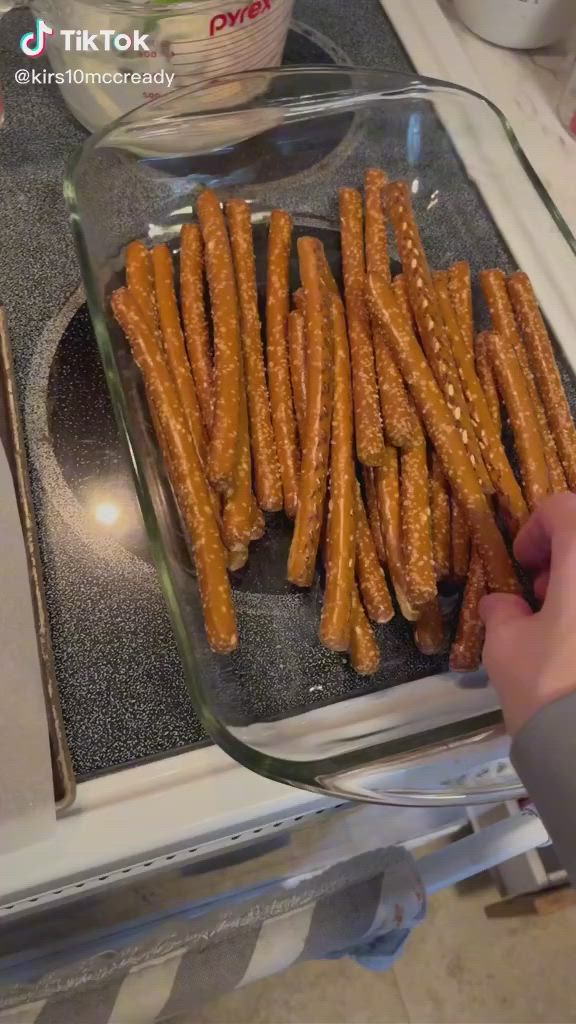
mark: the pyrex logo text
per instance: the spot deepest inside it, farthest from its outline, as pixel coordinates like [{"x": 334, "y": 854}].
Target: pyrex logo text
[
  {"x": 33, "y": 44},
  {"x": 230, "y": 19}
]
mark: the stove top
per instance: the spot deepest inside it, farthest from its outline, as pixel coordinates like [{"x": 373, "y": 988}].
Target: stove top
[{"x": 121, "y": 684}]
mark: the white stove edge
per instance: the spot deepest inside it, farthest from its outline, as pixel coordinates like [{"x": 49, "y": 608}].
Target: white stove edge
[{"x": 166, "y": 813}]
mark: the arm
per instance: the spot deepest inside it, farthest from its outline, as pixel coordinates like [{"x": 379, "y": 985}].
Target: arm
[
  {"x": 531, "y": 659},
  {"x": 544, "y": 755}
]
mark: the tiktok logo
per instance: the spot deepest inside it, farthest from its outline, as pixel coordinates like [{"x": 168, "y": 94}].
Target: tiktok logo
[{"x": 33, "y": 44}]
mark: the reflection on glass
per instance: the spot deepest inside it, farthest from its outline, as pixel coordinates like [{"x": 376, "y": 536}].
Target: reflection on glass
[{"x": 107, "y": 513}]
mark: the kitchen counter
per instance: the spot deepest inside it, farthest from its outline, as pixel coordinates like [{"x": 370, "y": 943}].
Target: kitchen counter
[{"x": 524, "y": 84}]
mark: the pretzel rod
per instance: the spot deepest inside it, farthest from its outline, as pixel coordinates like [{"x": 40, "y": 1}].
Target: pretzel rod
[
  {"x": 493, "y": 284},
  {"x": 267, "y": 479},
  {"x": 364, "y": 650},
  {"x": 173, "y": 339},
  {"x": 237, "y": 558},
  {"x": 460, "y": 287},
  {"x": 401, "y": 295},
  {"x": 319, "y": 400},
  {"x": 460, "y": 541},
  {"x": 238, "y": 516},
  {"x": 140, "y": 281},
  {"x": 445, "y": 437},
  {"x": 297, "y": 353},
  {"x": 545, "y": 371},
  {"x": 428, "y": 318},
  {"x": 340, "y": 538},
  {"x": 227, "y": 344},
  {"x": 486, "y": 378},
  {"x": 377, "y": 260},
  {"x": 373, "y": 512},
  {"x": 299, "y": 300},
  {"x": 277, "y": 310},
  {"x": 369, "y": 572},
  {"x": 429, "y": 632},
  {"x": 513, "y": 388},
  {"x": 258, "y": 521},
  {"x": 387, "y": 482},
  {"x": 416, "y": 521},
  {"x": 188, "y": 477},
  {"x": 325, "y": 269},
  {"x": 440, "y": 513},
  {"x": 466, "y": 651},
  {"x": 368, "y": 426},
  {"x": 495, "y": 458},
  {"x": 194, "y": 319}
]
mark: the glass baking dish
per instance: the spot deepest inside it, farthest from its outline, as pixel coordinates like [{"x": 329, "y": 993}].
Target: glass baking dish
[{"x": 281, "y": 704}]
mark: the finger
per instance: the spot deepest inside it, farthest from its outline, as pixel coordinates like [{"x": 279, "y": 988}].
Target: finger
[
  {"x": 497, "y": 609},
  {"x": 541, "y": 585},
  {"x": 553, "y": 522}
]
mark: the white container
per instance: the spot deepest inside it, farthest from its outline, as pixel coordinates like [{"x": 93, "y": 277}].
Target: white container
[
  {"x": 185, "y": 41},
  {"x": 518, "y": 24}
]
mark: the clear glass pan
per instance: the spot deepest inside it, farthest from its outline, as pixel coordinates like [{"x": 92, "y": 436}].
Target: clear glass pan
[{"x": 282, "y": 705}]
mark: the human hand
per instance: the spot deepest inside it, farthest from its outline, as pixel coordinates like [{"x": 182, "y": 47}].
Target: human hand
[{"x": 531, "y": 656}]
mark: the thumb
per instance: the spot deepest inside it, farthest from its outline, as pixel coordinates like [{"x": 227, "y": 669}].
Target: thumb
[{"x": 497, "y": 609}]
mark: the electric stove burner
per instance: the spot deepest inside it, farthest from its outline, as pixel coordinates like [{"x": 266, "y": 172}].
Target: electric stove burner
[{"x": 122, "y": 690}]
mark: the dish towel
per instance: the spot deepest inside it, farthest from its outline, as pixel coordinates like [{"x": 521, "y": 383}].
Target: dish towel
[{"x": 168, "y": 964}]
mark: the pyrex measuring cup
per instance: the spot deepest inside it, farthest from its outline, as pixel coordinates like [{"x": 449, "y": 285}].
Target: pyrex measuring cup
[{"x": 111, "y": 56}]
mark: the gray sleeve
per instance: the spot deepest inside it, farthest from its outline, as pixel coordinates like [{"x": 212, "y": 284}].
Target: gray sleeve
[{"x": 544, "y": 755}]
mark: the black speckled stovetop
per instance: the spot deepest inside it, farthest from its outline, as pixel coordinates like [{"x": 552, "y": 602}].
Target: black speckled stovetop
[{"x": 121, "y": 684}]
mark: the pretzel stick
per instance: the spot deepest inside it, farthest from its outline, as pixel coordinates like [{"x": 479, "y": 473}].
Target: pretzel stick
[
  {"x": 513, "y": 387},
  {"x": 368, "y": 426},
  {"x": 238, "y": 516},
  {"x": 377, "y": 260},
  {"x": 428, "y": 317},
  {"x": 299, "y": 300},
  {"x": 445, "y": 437},
  {"x": 140, "y": 281},
  {"x": 466, "y": 651},
  {"x": 364, "y": 650},
  {"x": 340, "y": 538},
  {"x": 297, "y": 353},
  {"x": 258, "y": 521},
  {"x": 495, "y": 458},
  {"x": 486, "y": 378},
  {"x": 460, "y": 541},
  {"x": 387, "y": 482},
  {"x": 188, "y": 477},
  {"x": 174, "y": 347},
  {"x": 460, "y": 287},
  {"x": 373, "y": 512},
  {"x": 319, "y": 399},
  {"x": 325, "y": 269},
  {"x": 493, "y": 284},
  {"x": 237, "y": 558},
  {"x": 545, "y": 371},
  {"x": 416, "y": 521},
  {"x": 194, "y": 319},
  {"x": 429, "y": 632},
  {"x": 440, "y": 513},
  {"x": 277, "y": 309},
  {"x": 369, "y": 572},
  {"x": 267, "y": 479},
  {"x": 401, "y": 295},
  {"x": 227, "y": 344}
]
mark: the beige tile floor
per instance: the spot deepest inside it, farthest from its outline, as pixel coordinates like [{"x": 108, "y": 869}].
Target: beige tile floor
[{"x": 459, "y": 968}]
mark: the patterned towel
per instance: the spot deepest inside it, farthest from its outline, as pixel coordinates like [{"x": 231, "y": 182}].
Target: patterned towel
[{"x": 165, "y": 965}]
